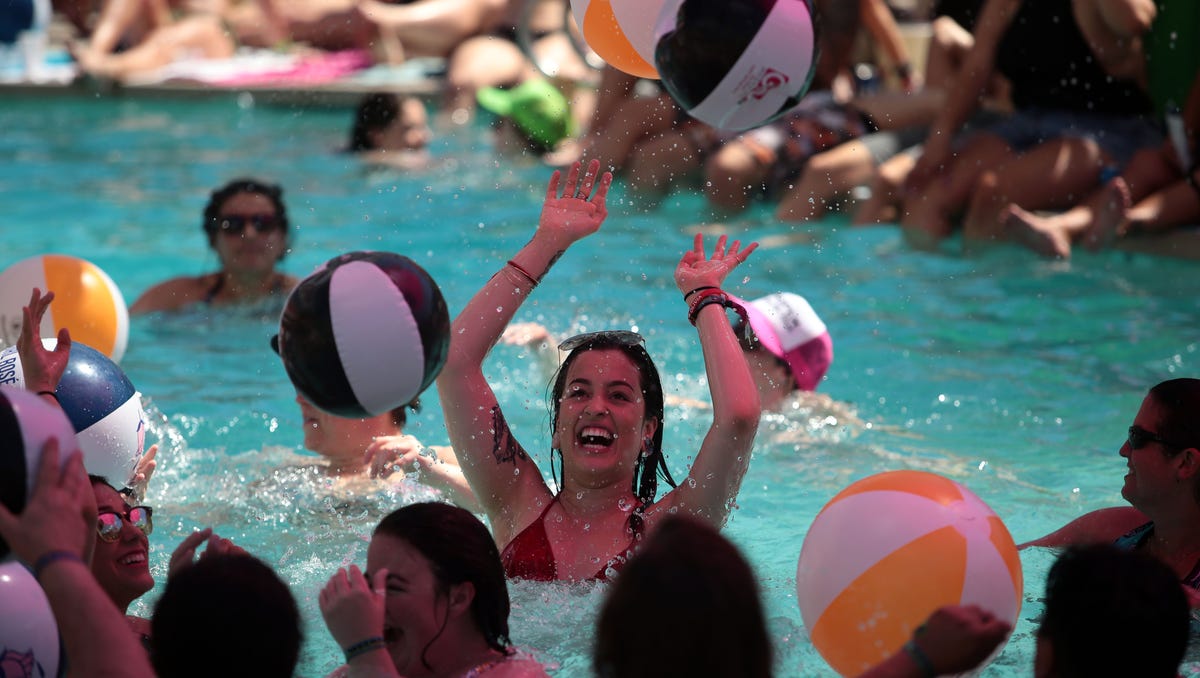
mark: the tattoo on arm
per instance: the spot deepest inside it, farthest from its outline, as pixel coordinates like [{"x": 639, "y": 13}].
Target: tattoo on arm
[{"x": 505, "y": 447}]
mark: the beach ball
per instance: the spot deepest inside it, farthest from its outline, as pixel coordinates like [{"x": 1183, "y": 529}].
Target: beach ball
[
  {"x": 102, "y": 405},
  {"x": 86, "y": 301},
  {"x": 366, "y": 333},
  {"x": 29, "y": 641},
  {"x": 736, "y": 64},
  {"x": 889, "y": 550},
  {"x": 27, "y": 421},
  {"x": 622, "y": 31}
]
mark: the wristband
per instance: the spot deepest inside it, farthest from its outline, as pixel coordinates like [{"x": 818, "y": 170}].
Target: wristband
[
  {"x": 52, "y": 394},
  {"x": 919, "y": 658},
  {"x": 706, "y": 300},
  {"x": 698, "y": 289},
  {"x": 528, "y": 276},
  {"x": 363, "y": 647},
  {"x": 50, "y": 557}
]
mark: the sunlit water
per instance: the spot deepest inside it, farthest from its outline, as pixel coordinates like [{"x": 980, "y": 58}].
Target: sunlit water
[{"x": 1012, "y": 375}]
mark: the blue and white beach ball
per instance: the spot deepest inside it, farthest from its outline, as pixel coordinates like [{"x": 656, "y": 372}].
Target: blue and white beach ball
[
  {"x": 29, "y": 640},
  {"x": 366, "y": 333},
  {"x": 736, "y": 64},
  {"x": 26, "y": 423},
  {"x": 102, "y": 406}
]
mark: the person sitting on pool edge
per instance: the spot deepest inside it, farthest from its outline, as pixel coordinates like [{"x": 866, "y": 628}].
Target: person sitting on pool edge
[
  {"x": 247, "y": 226},
  {"x": 433, "y": 598},
  {"x": 1163, "y": 487},
  {"x": 788, "y": 346},
  {"x": 606, "y": 409},
  {"x": 378, "y": 447}
]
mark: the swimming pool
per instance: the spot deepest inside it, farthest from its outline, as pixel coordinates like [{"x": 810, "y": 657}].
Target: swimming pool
[{"x": 1012, "y": 375}]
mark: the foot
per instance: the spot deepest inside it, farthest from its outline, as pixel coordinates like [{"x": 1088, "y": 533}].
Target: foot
[
  {"x": 1037, "y": 233},
  {"x": 1110, "y": 215}
]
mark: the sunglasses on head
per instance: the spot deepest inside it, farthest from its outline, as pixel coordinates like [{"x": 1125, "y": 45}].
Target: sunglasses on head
[
  {"x": 1140, "y": 437},
  {"x": 618, "y": 337},
  {"x": 110, "y": 523},
  {"x": 235, "y": 224}
]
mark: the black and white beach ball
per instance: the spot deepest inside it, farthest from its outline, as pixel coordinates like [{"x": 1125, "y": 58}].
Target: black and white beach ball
[
  {"x": 366, "y": 333},
  {"x": 102, "y": 405},
  {"x": 736, "y": 64}
]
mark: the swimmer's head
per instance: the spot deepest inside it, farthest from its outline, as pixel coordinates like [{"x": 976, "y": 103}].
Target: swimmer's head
[
  {"x": 214, "y": 218},
  {"x": 631, "y": 344},
  {"x": 121, "y": 559},
  {"x": 682, "y": 557},
  {"x": 535, "y": 110},
  {"x": 384, "y": 121},
  {"x": 1175, "y": 403},
  {"x": 460, "y": 550},
  {"x": 787, "y": 326},
  {"x": 345, "y": 438}
]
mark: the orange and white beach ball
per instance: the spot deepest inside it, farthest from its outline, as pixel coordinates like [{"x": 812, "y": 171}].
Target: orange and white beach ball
[
  {"x": 622, "y": 31},
  {"x": 86, "y": 301},
  {"x": 889, "y": 550}
]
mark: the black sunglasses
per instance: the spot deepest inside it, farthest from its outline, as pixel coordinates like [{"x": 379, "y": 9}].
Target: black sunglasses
[
  {"x": 235, "y": 224},
  {"x": 1140, "y": 437},
  {"x": 618, "y": 337},
  {"x": 110, "y": 523}
]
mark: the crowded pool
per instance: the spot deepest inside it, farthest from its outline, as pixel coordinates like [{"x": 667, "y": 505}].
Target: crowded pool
[{"x": 1012, "y": 375}]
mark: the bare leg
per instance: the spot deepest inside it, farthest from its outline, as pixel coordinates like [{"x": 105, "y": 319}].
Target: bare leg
[
  {"x": 1173, "y": 206},
  {"x": 885, "y": 187},
  {"x": 199, "y": 34},
  {"x": 1053, "y": 175},
  {"x": 927, "y": 216},
  {"x": 655, "y": 165},
  {"x": 435, "y": 27},
  {"x": 826, "y": 175},
  {"x": 1111, "y": 211},
  {"x": 734, "y": 174}
]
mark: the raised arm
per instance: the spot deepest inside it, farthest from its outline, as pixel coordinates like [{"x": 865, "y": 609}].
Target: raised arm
[
  {"x": 489, "y": 455},
  {"x": 725, "y": 453}
]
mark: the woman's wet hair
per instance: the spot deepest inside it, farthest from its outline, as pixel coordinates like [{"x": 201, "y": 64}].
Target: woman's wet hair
[
  {"x": 375, "y": 111},
  {"x": 241, "y": 600},
  {"x": 1111, "y": 612},
  {"x": 651, "y": 463},
  {"x": 218, "y": 198},
  {"x": 459, "y": 549},
  {"x": 703, "y": 599}
]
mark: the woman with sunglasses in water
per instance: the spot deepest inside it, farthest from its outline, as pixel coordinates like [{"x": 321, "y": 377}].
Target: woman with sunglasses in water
[
  {"x": 607, "y": 410},
  {"x": 1163, "y": 487},
  {"x": 247, "y": 226}
]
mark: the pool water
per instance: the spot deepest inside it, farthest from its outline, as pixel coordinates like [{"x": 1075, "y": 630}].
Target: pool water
[{"x": 1012, "y": 375}]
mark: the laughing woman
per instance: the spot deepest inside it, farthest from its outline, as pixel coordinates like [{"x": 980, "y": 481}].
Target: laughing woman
[{"x": 607, "y": 423}]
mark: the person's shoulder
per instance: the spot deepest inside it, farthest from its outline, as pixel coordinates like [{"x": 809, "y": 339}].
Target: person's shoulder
[
  {"x": 173, "y": 294},
  {"x": 520, "y": 664}
]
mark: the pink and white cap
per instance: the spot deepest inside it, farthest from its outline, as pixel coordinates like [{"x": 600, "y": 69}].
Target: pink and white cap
[{"x": 788, "y": 326}]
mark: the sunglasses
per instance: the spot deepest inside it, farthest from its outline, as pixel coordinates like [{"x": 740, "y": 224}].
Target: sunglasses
[
  {"x": 618, "y": 337},
  {"x": 1140, "y": 437},
  {"x": 110, "y": 523},
  {"x": 235, "y": 224}
]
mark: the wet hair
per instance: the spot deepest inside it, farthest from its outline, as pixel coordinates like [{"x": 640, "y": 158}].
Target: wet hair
[
  {"x": 459, "y": 549},
  {"x": 703, "y": 599},
  {"x": 400, "y": 417},
  {"x": 218, "y": 198},
  {"x": 375, "y": 111},
  {"x": 651, "y": 463},
  {"x": 1179, "y": 402},
  {"x": 1139, "y": 609},
  {"x": 242, "y": 601}
]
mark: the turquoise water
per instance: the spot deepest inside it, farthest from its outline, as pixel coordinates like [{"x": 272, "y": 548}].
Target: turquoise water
[{"x": 1016, "y": 377}]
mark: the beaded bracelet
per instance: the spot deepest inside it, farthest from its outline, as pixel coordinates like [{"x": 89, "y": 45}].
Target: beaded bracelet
[
  {"x": 50, "y": 557},
  {"x": 363, "y": 647},
  {"x": 707, "y": 300},
  {"x": 528, "y": 276},
  {"x": 919, "y": 658}
]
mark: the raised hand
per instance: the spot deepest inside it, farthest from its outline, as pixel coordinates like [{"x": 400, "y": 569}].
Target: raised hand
[
  {"x": 696, "y": 269},
  {"x": 43, "y": 368},
  {"x": 142, "y": 473},
  {"x": 388, "y": 454},
  {"x": 184, "y": 555},
  {"x": 578, "y": 212},
  {"x": 352, "y": 607},
  {"x": 61, "y": 513}
]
